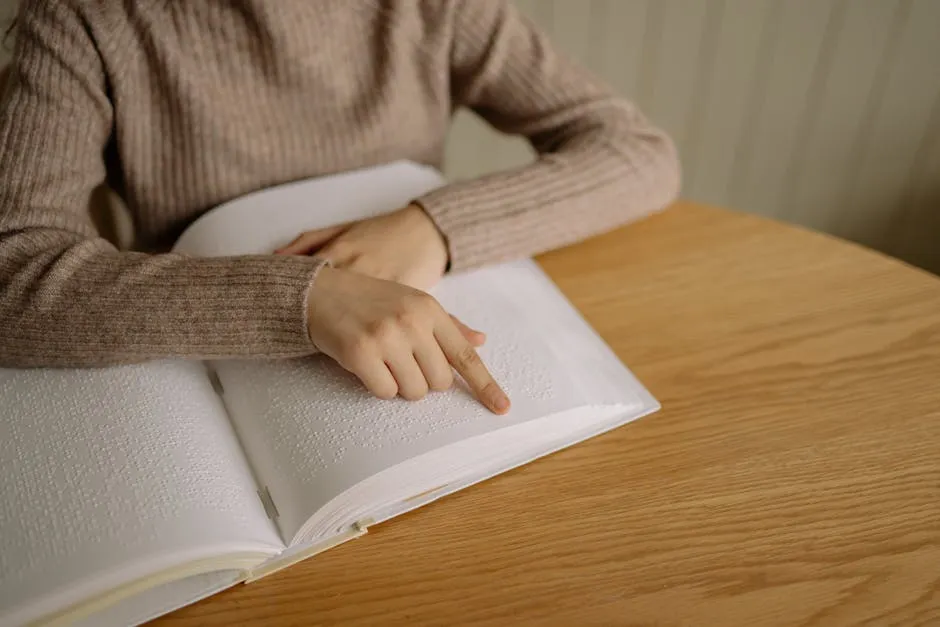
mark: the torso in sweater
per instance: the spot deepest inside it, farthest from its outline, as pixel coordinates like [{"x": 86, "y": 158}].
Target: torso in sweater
[
  {"x": 212, "y": 100},
  {"x": 192, "y": 103}
]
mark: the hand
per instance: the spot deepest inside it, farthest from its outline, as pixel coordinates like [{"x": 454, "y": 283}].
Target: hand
[
  {"x": 403, "y": 246},
  {"x": 396, "y": 339}
]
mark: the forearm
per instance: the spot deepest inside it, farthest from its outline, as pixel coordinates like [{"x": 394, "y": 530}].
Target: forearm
[
  {"x": 86, "y": 304},
  {"x": 601, "y": 163},
  {"x": 591, "y": 182}
]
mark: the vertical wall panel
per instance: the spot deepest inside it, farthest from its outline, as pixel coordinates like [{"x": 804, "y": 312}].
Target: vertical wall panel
[
  {"x": 915, "y": 234},
  {"x": 571, "y": 28},
  {"x": 703, "y": 83},
  {"x": 531, "y": 9},
  {"x": 864, "y": 49},
  {"x": 619, "y": 28},
  {"x": 764, "y": 153},
  {"x": 671, "y": 92},
  {"x": 873, "y": 193},
  {"x": 808, "y": 109},
  {"x": 744, "y": 33},
  {"x": 650, "y": 48}
]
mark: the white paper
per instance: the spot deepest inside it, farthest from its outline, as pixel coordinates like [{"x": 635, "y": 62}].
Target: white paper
[
  {"x": 109, "y": 475},
  {"x": 162, "y": 600},
  {"x": 311, "y": 430},
  {"x": 259, "y": 223}
]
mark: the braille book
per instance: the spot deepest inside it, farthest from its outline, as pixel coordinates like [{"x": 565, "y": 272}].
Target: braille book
[{"x": 130, "y": 491}]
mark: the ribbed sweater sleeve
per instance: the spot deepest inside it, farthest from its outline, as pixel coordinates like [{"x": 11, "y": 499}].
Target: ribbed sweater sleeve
[
  {"x": 69, "y": 298},
  {"x": 203, "y": 102},
  {"x": 600, "y": 163}
]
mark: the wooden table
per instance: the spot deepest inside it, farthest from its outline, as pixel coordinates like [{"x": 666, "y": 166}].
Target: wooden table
[{"x": 792, "y": 478}]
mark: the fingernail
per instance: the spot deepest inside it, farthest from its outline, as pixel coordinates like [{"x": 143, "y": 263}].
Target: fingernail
[{"x": 501, "y": 404}]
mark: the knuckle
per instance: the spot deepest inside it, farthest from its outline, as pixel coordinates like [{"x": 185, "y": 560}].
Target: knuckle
[
  {"x": 408, "y": 319},
  {"x": 442, "y": 381},
  {"x": 421, "y": 302},
  {"x": 468, "y": 357},
  {"x": 386, "y": 391},
  {"x": 413, "y": 392},
  {"x": 490, "y": 389},
  {"x": 384, "y": 330},
  {"x": 355, "y": 351}
]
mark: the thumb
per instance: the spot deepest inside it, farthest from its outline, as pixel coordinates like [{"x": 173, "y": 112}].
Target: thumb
[
  {"x": 476, "y": 338},
  {"x": 309, "y": 241}
]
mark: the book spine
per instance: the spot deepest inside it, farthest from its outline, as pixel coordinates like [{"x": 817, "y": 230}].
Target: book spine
[{"x": 299, "y": 554}]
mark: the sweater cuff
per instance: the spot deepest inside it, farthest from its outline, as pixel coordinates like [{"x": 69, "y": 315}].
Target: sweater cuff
[
  {"x": 311, "y": 280},
  {"x": 460, "y": 215},
  {"x": 501, "y": 216},
  {"x": 259, "y": 305}
]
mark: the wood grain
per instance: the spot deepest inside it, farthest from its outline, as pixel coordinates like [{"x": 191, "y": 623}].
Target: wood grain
[{"x": 792, "y": 478}]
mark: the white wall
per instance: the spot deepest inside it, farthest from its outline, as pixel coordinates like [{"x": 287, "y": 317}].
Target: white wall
[{"x": 822, "y": 112}]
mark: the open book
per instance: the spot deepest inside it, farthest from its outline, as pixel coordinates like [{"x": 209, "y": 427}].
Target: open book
[{"x": 128, "y": 492}]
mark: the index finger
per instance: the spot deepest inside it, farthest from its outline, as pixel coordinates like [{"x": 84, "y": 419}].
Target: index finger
[{"x": 465, "y": 360}]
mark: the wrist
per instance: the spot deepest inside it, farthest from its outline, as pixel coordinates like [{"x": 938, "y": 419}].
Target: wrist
[
  {"x": 319, "y": 281},
  {"x": 419, "y": 212}
]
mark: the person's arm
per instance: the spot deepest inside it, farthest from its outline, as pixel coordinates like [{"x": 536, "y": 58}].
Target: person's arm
[
  {"x": 600, "y": 164},
  {"x": 67, "y": 296}
]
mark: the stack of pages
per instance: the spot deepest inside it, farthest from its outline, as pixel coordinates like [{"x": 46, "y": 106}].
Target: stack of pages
[{"x": 128, "y": 492}]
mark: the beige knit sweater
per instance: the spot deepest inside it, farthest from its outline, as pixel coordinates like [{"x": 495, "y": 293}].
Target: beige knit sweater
[{"x": 185, "y": 105}]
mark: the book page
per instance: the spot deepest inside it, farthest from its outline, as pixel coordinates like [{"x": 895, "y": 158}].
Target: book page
[
  {"x": 259, "y": 223},
  {"x": 311, "y": 430},
  {"x": 161, "y": 599},
  {"x": 110, "y": 475}
]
